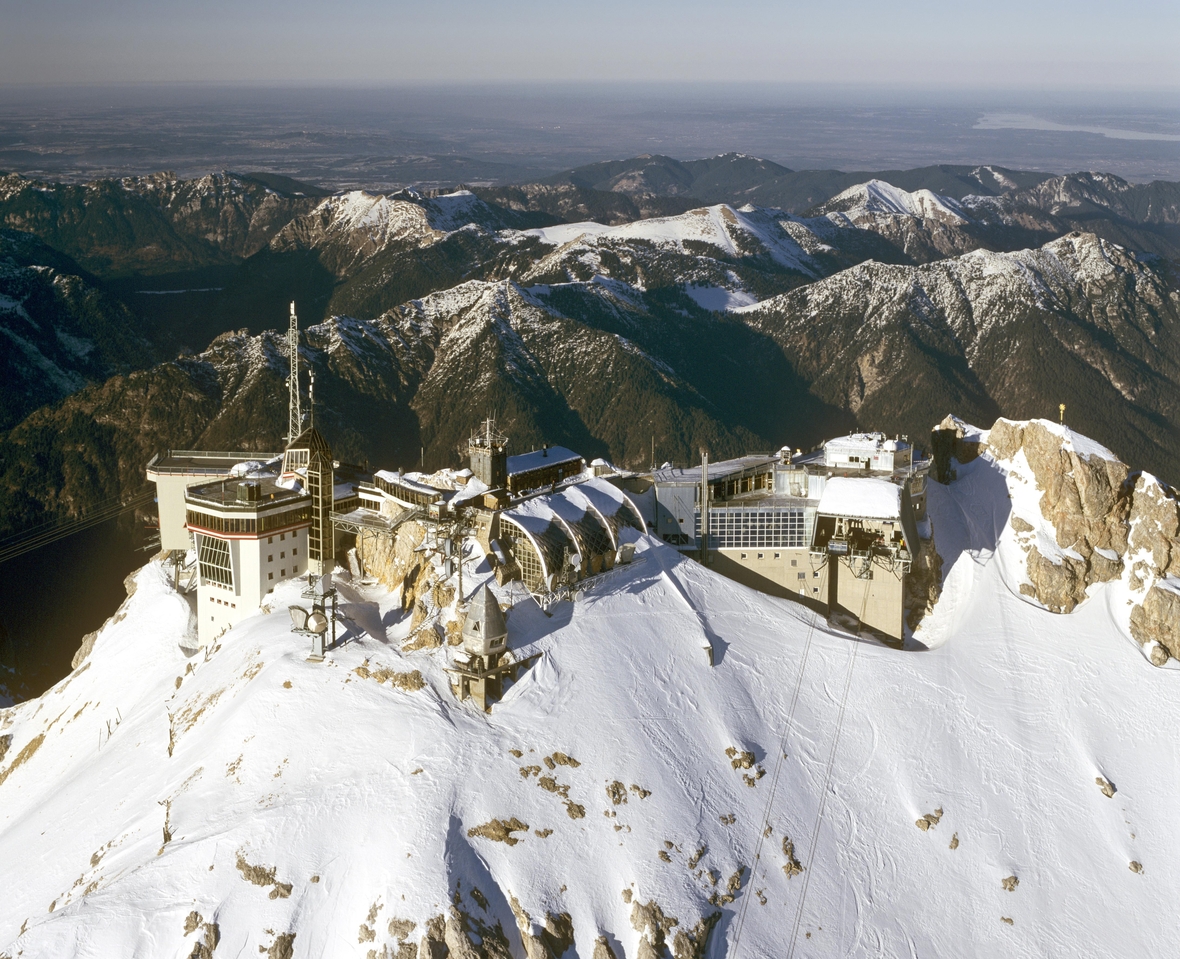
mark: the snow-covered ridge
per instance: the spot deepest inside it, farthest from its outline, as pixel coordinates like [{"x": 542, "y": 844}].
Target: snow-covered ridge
[
  {"x": 624, "y": 794},
  {"x": 731, "y": 231},
  {"x": 878, "y": 196}
]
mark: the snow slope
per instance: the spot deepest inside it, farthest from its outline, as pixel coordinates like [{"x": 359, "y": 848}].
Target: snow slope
[{"x": 325, "y": 801}]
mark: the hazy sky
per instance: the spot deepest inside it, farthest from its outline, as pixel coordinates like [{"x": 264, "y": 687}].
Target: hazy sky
[{"x": 1039, "y": 44}]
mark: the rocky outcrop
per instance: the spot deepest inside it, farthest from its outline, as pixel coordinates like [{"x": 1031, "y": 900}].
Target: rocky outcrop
[
  {"x": 952, "y": 440},
  {"x": 1156, "y": 623},
  {"x": 544, "y": 940},
  {"x": 656, "y": 929},
  {"x": 1103, "y": 518},
  {"x": 1084, "y": 496}
]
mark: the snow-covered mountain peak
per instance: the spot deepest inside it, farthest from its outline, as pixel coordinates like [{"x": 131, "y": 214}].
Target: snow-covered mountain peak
[{"x": 880, "y": 197}]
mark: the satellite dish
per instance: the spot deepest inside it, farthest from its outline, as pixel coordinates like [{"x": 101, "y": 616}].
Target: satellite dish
[
  {"x": 298, "y": 617},
  {"x": 317, "y": 622}
]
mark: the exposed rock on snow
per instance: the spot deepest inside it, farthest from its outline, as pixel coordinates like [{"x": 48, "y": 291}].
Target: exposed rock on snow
[
  {"x": 1157, "y": 621},
  {"x": 1102, "y": 518}
]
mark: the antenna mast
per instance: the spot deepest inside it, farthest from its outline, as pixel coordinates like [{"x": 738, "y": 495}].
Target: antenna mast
[{"x": 294, "y": 414}]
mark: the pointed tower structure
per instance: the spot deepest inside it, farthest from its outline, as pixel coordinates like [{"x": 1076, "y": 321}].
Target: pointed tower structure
[{"x": 477, "y": 668}]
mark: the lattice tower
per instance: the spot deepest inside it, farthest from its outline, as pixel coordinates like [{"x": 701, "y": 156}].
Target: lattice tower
[{"x": 294, "y": 413}]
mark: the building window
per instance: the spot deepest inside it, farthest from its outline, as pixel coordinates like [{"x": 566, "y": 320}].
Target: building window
[
  {"x": 283, "y": 555},
  {"x": 778, "y": 555},
  {"x": 270, "y": 575},
  {"x": 816, "y": 574},
  {"x": 270, "y": 539},
  {"x": 743, "y": 555},
  {"x": 270, "y": 558},
  {"x": 802, "y": 576},
  {"x": 294, "y": 569},
  {"x": 761, "y": 556},
  {"x": 214, "y": 561},
  {"x": 794, "y": 562},
  {"x": 282, "y": 536},
  {"x": 294, "y": 552},
  {"x": 282, "y": 572}
]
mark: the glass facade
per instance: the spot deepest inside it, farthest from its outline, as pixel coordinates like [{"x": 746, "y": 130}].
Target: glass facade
[
  {"x": 320, "y": 485},
  {"x": 214, "y": 559},
  {"x": 747, "y": 527},
  {"x": 248, "y": 524}
]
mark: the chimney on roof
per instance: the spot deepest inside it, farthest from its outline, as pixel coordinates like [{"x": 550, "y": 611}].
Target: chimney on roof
[{"x": 544, "y": 449}]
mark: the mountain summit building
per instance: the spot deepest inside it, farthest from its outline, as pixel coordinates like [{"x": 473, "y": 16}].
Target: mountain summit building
[{"x": 837, "y": 528}]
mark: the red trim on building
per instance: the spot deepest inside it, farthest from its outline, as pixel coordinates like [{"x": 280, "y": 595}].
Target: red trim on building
[{"x": 259, "y": 536}]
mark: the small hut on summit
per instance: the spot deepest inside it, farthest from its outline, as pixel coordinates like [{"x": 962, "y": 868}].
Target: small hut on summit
[{"x": 476, "y": 668}]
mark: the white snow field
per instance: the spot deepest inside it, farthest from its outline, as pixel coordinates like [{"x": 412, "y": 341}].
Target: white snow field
[{"x": 315, "y": 801}]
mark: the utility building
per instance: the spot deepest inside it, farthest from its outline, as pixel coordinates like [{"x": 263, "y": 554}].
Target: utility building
[
  {"x": 865, "y": 540},
  {"x": 488, "y": 453},
  {"x": 762, "y": 513}
]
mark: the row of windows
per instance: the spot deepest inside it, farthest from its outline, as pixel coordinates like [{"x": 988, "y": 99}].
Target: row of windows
[
  {"x": 737, "y": 528},
  {"x": 320, "y": 486},
  {"x": 406, "y": 494},
  {"x": 543, "y": 475},
  {"x": 247, "y": 524}
]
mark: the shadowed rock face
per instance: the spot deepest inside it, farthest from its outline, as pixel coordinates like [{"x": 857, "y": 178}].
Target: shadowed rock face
[{"x": 1104, "y": 518}]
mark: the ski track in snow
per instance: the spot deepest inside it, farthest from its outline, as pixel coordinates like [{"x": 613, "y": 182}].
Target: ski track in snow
[{"x": 1003, "y": 722}]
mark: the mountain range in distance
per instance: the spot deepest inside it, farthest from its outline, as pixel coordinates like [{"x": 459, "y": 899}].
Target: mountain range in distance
[{"x": 728, "y": 302}]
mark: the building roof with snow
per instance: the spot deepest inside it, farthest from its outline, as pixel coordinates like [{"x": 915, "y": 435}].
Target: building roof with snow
[
  {"x": 863, "y": 498},
  {"x": 539, "y": 459}
]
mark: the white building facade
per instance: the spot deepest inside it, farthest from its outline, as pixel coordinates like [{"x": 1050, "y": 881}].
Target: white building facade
[{"x": 249, "y": 536}]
